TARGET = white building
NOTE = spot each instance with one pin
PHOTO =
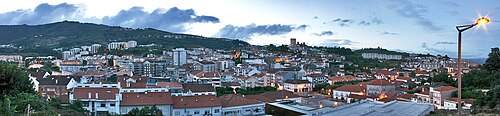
(179, 56)
(381, 56)
(239, 105)
(131, 44)
(94, 48)
(201, 105)
(99, 98)
(301, 86)
(117, 45)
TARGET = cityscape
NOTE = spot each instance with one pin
(249, 58)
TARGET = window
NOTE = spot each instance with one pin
(177, 113)
(216, 111)
(108, 91)
(112, 104)
(197, 112)
(103, 105)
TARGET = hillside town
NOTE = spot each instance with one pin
(293, 79)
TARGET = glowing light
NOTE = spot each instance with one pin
(482, 21)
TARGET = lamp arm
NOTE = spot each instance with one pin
(462, 28)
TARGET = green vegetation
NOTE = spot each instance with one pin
(281, 49)
(146, 111)
(41, 39)
(248, 91)
(488, 78)
(380, 51)
(17, 92)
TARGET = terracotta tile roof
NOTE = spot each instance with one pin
(407, 96)
(208, 75)
(402, 89)
(355, 96)
(363, 84)
(196, 72)
(343, 78)
(316, 75)
(198, 87)
(103, 94)
(140, 82)
(386, 72)
(445, 88)
(56, 80)
(230, 84)
(386, 99)
(404, 78)
(420, 72)
(169, 84)
(195, 101)
(296, 81)
(150, 98)
(351, 88)
(259, 97)
(230, 100)
(279, 94)
(381, 82)
(391, 94)
(468, 101)
(424, 93)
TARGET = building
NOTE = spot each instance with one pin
(381, 56)
(316, 78)
(293, 41)
(438, 95)
(333, 80)
(179, 56)
(239, 105)
(131, 100)
(199, 105)
(131, 44)
(361, 108)
(117, 45)
(376, 87)
(11, 58)
(94, 48)
(154, 68)
(301, 86)
(98, 98)
(344, 92)
(55, 86)
(208, 66)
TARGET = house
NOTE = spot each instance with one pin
(55, 86)
(199, 105)
(272, 96)
(213, 78)
(440, 94)
(239, 105)
(316, 78)
(98, 99)
(34, 78)
(343, 92)
(247, 81)
(301, 86)
(208, 66)
(174, 87)
(333, 80)
(452, 104)
(131, 100)
(423, 97)
(378, 86)
(385, 74)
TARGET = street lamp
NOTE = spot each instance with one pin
(462, 28)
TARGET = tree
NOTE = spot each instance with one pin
(493, 61)
(146, 111)
(77, 105)
(13, 80)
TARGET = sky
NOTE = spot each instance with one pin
(424, 26)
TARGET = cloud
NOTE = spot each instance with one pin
(386, 33)
(246, 32)
(43, 13)
(435, 50)
(315, 17)
(450, 4)
(343, 22)
(337, 42)
(374, 20)
(414, 11)
(324, 33)
(444, 43)
(173, 19)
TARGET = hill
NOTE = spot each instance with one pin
(68, 34)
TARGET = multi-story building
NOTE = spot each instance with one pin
(117, 45)
(131, 44)
(11, 58)
(316, 78)
(345, 91)
(179, 56)
(98, 98)
(438, 95)
(381, 56)
(162, 100)
(239, 105)
(200, 105)
(301, 86)
(94, 48)
(379, 86)
(207, 66)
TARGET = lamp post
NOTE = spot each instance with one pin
(460, 29)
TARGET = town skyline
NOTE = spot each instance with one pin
(384, 24)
